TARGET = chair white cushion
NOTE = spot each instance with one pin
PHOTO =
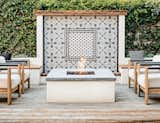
(26, 74)
(15, 71)
(142, 71)
(156, 58)
(2, 59)
(154, 80)
(131, 74)
(15, 80)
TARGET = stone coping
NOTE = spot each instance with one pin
(100, 75)
(79, 12)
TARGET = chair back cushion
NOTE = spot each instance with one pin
(2, 59)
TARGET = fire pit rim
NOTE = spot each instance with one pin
(100, 75)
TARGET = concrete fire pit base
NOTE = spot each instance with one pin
(98, 88)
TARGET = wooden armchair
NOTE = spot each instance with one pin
(149, 83)
(10, 83)
(25, 75)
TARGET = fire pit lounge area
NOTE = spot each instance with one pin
(80, 65)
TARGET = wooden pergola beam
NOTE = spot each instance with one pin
(80, 12)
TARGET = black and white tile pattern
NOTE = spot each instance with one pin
(67, 38)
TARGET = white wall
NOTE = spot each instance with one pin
(39, 36)
(121, 39)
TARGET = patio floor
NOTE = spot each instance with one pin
(33, 106)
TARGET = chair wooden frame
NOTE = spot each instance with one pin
(134, 67)
(146, 89)
(23, 76)
(9, 90)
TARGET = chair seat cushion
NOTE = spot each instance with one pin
(154, 80)
(15, 80)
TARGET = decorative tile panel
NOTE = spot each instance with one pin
(80, 42)
(67, 38)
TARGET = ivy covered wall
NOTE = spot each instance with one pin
(17, 22)
(18, 27)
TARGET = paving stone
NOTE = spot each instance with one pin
(32, 107)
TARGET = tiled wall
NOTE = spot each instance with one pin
(67, 38)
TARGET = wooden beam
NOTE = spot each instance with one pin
(79, 12)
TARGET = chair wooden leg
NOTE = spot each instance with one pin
(138, 90)
(135, 86)
(19, 90)
(29, 83)
(129, 82)
(9, 98)
(9, 89)
(146, 91)
(146, 97)
(22, 88)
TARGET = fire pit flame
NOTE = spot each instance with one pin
(81, 69)
(81, 64)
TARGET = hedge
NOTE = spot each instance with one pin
(18, 27)
(17, 22)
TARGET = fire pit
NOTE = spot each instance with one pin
(80, 85)
(74, 86)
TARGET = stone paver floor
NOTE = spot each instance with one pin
(32, 107)
(35, 97)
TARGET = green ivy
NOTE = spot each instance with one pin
(18, 24)
(18, 27)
